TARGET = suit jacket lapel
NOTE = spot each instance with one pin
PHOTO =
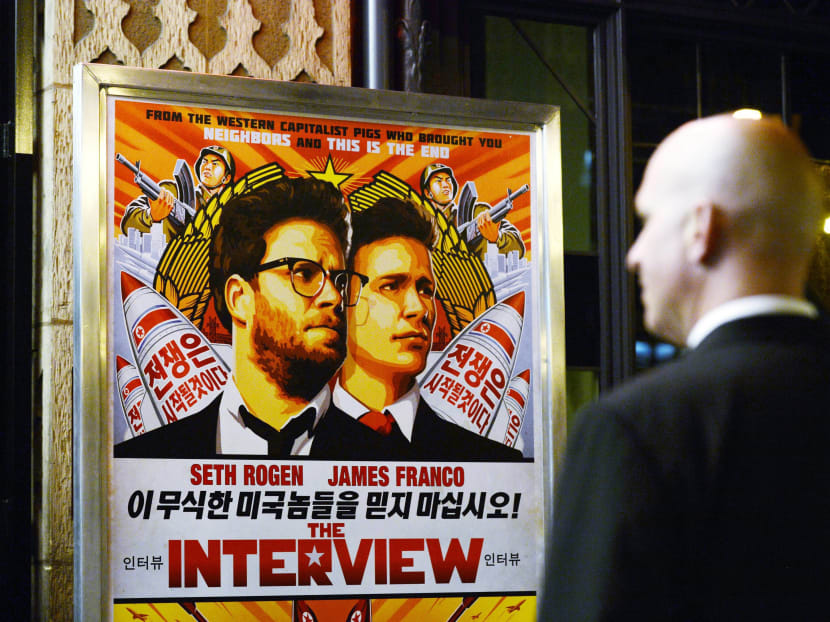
(426, 427)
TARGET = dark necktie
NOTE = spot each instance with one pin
(280, 442)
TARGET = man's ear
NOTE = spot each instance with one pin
(239, 299)
(701, 233)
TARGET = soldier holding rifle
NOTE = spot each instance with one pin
(439, 187)
(175, 202)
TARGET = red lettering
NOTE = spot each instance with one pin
(435, 476)
(272, 475)
(196, 562)
(239, 550)
(397, 561)
(213, 474)
(230, 474)
(313, 562)
(380, 562)
(353, 570)
(268, 565)
(394, 560)
(195, 474)
(455, 559)
(174, 563)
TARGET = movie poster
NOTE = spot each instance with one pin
(323, 345)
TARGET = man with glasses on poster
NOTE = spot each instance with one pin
(279, 284)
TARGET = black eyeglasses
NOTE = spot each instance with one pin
(308, 278)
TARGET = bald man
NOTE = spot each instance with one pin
(701, 489)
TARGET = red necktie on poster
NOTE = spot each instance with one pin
(380, 422)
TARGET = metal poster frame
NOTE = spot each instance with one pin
(98, 475)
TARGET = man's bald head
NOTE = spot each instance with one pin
(731, 208)
(757, 171)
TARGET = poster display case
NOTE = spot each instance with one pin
(255, 257)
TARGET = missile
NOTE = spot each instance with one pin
(132, 394)
(511, 413)
(302, 612)
(180, 370)
(467, 383)
(361, 612)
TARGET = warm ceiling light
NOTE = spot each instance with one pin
(748, 113)
(827, 226)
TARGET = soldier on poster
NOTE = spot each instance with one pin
(439, 187)
(279, 285)
(390, 335)
(215, 169)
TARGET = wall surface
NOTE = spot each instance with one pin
(306, 40)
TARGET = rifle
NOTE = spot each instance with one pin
(466, 205)
(151, 189)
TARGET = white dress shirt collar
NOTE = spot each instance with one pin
(748, 306)
(233, 437)
(403, 410)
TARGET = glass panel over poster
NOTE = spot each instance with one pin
(319, 350)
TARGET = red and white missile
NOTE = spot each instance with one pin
(132, 393)
(302, 612)
(180, 370)
(361, 612)
(511, 413)
(468, 381)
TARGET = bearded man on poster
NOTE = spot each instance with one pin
(279, 284)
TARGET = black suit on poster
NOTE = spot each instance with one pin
(701, 490)
(434, 438)
(195, 437)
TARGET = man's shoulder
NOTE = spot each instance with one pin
(658, 396)
(191, 437)
(695, 395)
(436, 437)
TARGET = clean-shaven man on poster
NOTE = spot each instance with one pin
(390, 335)
(279, 284)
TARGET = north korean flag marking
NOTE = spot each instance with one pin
(131, 386)
(149, 321)
(495, 332)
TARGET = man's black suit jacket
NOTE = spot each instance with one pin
(337, 436)
(701, 490)
(195, 437)
(434, 438)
